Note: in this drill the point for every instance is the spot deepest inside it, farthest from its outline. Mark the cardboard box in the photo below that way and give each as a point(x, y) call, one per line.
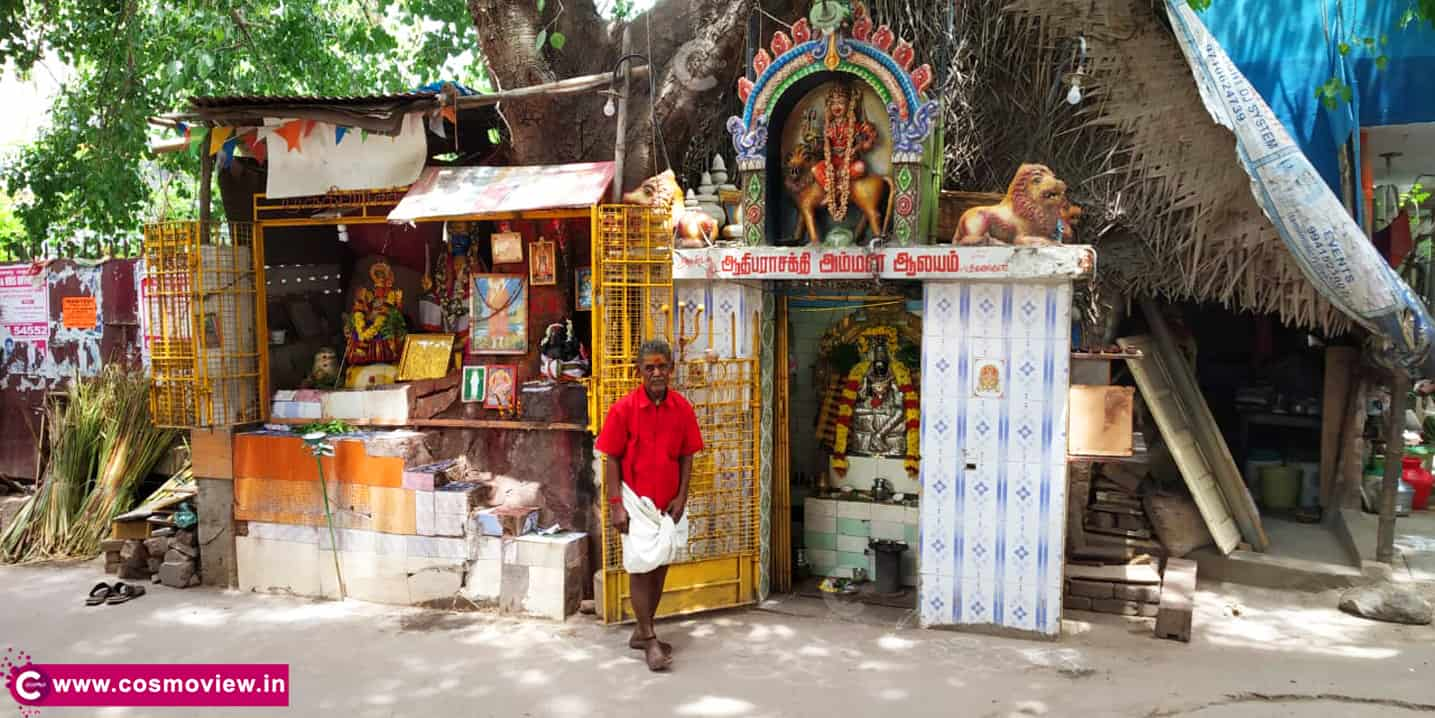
point(1099, 420)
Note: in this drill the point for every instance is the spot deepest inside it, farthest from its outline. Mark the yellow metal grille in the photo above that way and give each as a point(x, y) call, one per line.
point(633, 293)
point(199, 303)
point(633, 301)
point(722, 498)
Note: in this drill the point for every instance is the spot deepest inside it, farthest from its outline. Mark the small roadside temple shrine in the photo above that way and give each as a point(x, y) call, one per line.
point(882, 389)
point(879, 401)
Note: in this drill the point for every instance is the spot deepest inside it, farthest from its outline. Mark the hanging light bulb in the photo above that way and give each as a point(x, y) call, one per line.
point(609, 108)
point(1073, 96)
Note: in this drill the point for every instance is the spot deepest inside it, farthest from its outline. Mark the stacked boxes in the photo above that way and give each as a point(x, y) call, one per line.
point(836, 534)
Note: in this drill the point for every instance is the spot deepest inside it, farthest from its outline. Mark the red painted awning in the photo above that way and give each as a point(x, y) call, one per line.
point(450, 192)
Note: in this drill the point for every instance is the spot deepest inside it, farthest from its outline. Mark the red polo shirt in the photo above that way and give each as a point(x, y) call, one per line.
point(647, 439)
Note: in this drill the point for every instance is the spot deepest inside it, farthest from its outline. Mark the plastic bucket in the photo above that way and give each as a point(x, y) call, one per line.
point(1280, 487)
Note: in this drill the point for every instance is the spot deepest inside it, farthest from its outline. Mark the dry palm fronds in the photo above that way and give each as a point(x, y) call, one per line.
point(131, 445)
point(101, 444)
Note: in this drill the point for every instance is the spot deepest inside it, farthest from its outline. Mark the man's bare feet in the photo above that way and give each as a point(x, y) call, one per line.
point(638, 643)
point(656, 658)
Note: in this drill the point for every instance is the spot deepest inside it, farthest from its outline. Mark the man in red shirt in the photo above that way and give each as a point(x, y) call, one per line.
point(648, 441)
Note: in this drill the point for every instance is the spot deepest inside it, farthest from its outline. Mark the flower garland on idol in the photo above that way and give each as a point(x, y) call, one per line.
point(911, 407)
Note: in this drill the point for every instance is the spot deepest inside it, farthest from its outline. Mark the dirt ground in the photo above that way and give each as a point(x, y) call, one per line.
point(1255, 653)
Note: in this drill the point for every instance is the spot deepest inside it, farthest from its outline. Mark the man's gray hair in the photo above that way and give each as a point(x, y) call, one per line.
point(655, 346)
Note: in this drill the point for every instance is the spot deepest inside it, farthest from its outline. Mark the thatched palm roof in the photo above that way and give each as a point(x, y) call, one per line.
point(1168, 205)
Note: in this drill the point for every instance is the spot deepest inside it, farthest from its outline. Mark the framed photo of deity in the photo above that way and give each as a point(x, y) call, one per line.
point(507, 248)
point(542, 265)
point(498, 314)
point(501, 385)
point(583, 289)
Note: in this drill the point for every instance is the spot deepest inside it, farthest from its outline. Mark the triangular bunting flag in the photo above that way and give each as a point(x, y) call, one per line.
point(257, 146)
point(183, 129)
point(363, 135)
point(450, 113)
point(226, 155)
point(436, 126)
point(309, 127)
point(217, 136)
point(291, 132)
point(339, 132)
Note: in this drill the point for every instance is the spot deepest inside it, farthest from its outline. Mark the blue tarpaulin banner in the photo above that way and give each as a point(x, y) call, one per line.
point(1332, 251)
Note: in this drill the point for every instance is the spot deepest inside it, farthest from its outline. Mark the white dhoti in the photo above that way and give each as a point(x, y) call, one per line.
point(653, 538)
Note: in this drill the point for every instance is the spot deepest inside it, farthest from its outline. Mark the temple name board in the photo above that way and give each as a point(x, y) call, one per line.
point(923, 263)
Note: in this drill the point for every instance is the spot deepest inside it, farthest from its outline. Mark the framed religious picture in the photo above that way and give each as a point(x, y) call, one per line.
point(498, 314)
point(583, 288)
point(542, 266)
point(507, 248)
point(500, 386)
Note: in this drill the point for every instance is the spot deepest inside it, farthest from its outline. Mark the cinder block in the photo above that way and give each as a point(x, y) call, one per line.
point(1150, 610)
point(484, 548)
point(448, 524)
point(1141, 594)
point(1078, 603)
point(432, 579)
point(434, 547)
point(890, 530)
point(423, 513)
point(459, 497)
point(854, 527)
point(854, 510)
point(814, 540)
point(1090, 589)
point(851, 544)
point(374, 577)
point(277, 566)
point(513, 588)
point(484, 581)
point(284, 532)
point(1120, 608)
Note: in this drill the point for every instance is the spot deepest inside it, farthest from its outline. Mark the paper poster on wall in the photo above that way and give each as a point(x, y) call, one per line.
point(79, 313)
point(24, 317)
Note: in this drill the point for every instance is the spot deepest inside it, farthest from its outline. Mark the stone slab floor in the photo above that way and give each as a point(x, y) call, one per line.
point(1255, 653)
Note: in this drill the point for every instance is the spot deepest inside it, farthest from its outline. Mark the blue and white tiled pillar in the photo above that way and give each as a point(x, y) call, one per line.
point(995, 373)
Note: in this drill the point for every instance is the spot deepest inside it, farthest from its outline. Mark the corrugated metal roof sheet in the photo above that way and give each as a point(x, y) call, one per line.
point(227, 101)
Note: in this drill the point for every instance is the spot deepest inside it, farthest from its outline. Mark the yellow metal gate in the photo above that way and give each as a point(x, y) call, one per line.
point(201, 283)
point(634, 300)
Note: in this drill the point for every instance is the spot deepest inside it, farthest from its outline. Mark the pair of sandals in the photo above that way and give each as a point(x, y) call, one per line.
point(121, 592)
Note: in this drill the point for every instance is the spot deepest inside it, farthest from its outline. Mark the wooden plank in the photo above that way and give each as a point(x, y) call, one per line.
point(1342, 367)
point(1206, 432)
point(1124, 533)
point(1178, 593)
point(1136, 573)
point(1079, 488)
point(1099, 420)
point(211, 453)
point(1153, 378)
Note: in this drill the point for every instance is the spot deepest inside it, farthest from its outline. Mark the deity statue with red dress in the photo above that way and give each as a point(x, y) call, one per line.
point(846, 137)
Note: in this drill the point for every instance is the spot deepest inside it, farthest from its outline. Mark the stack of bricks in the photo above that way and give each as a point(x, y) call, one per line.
point(532, 575)
point(1124, 590)
point(836, 534)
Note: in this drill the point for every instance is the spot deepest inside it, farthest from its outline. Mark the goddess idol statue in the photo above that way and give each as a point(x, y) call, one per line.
point(878, 408)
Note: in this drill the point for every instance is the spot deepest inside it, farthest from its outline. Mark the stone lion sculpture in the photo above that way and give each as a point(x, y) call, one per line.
point(1035, 212)
point(693, 229)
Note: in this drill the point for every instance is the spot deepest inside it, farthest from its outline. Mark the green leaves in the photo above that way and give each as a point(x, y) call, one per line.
point(1334, 92)
point(542, 39)
point(1199, 5)
point(90, 174)
point(1416, 196)
point(557, 40)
